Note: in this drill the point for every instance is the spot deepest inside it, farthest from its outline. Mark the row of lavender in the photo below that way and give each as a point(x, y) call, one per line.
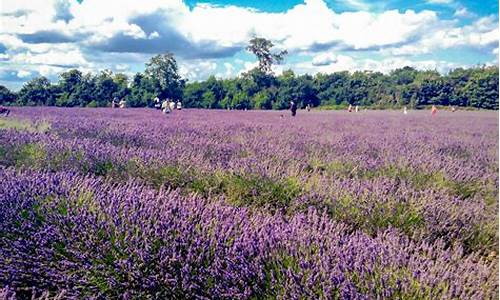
point(83, 237)
point(401, 183)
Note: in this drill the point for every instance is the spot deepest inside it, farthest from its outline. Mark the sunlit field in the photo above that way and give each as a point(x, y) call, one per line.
point(198, 204)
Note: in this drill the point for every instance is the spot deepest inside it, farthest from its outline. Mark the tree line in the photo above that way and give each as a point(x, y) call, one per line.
point(259, 88)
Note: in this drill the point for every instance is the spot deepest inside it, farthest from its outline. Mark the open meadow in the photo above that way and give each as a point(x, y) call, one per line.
point(215, 204)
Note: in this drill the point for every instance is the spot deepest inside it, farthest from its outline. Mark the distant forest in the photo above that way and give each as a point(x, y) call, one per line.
point(261, 89)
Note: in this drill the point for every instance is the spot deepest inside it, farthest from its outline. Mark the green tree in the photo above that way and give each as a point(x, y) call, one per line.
point(262, 49)
point(106, 88)
point(6, 96)
point(35, 92)
point(209, 100)
point(121, 81)
point(163, 70)
point(482, 88)
point(142, 91)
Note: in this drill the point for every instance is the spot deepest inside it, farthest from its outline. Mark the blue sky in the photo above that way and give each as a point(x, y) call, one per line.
point(45, 38)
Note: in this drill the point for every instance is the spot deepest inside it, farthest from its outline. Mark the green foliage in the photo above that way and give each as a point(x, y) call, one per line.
point(35, 92)
point(30, 156)
point(6, 96)
point(261, 48)
point(24, 125)
point(162, 69)
point(260, 89)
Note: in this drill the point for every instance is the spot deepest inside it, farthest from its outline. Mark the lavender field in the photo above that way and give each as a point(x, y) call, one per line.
point(133, 204)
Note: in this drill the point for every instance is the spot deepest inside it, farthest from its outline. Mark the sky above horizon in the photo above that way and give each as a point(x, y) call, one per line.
point(45, 38)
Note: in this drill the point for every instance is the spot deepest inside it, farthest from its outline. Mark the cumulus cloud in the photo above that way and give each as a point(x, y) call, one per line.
point(197, 69)
point(348, 63)
point(45, 36)
point(482, 34)
point(324, 59)
point(23, 73)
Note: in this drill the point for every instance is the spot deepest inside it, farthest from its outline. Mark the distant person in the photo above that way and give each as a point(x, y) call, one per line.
point(357, 108)
point(157, 103)
point(171, 105)
point(165, 108)
point(123, 103)
point(114, 102)
point(350, 108)
point(178, 106)
point(308, 107)
point(453, 109)
point(434, 110)
point(293, 108)
point(4, 111)
point(405, 111)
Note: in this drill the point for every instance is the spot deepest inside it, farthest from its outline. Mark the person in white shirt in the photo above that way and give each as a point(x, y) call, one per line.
point(123, 103)
point(172, 105)
point(405, 111)
point(179, 105)
point(165, 107)
point(157, 103)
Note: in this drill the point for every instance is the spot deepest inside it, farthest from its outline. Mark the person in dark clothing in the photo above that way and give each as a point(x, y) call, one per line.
point(293, 108)
point(4, 111)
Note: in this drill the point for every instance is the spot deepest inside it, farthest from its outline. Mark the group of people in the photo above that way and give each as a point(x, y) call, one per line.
point(350, 109)
point(167, 106)
point(121, 104)
point(293, 109)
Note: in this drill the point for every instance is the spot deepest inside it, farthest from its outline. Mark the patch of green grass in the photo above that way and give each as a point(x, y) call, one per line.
point(252, 190)
point(417, 178)
point(482, 238)
point(30, 155)
point(24, 125)
point(401, 215)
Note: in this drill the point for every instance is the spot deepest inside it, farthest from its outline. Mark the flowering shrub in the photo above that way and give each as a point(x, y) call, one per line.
point(247, 205)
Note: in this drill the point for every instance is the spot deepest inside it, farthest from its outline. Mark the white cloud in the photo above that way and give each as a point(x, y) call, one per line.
point(73, 58)
point(197, 69)
point(483, 33)
point(23, 74)
point(347, 63)
point(97, 34)
point(324, 59)
point(463, 12)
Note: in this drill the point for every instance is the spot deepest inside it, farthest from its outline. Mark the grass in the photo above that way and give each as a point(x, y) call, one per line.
point(24, 125)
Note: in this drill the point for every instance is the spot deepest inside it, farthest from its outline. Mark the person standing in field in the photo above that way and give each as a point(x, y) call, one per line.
point(123, 103)
point(179, 105)
point(172, 105)
point(165, 107)
point(157, 103)
point(434, 110)
point(350, 108)
point(114, 102)
point(308, 107)
point(453, 109)
point(357, 108)
point(405, 111)
point(4, 111)
point(293, 108)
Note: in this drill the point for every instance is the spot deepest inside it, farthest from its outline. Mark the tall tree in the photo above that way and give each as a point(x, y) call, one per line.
point(35, 92)
point(164, 71)
point(6, 96)
point(262, 49)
